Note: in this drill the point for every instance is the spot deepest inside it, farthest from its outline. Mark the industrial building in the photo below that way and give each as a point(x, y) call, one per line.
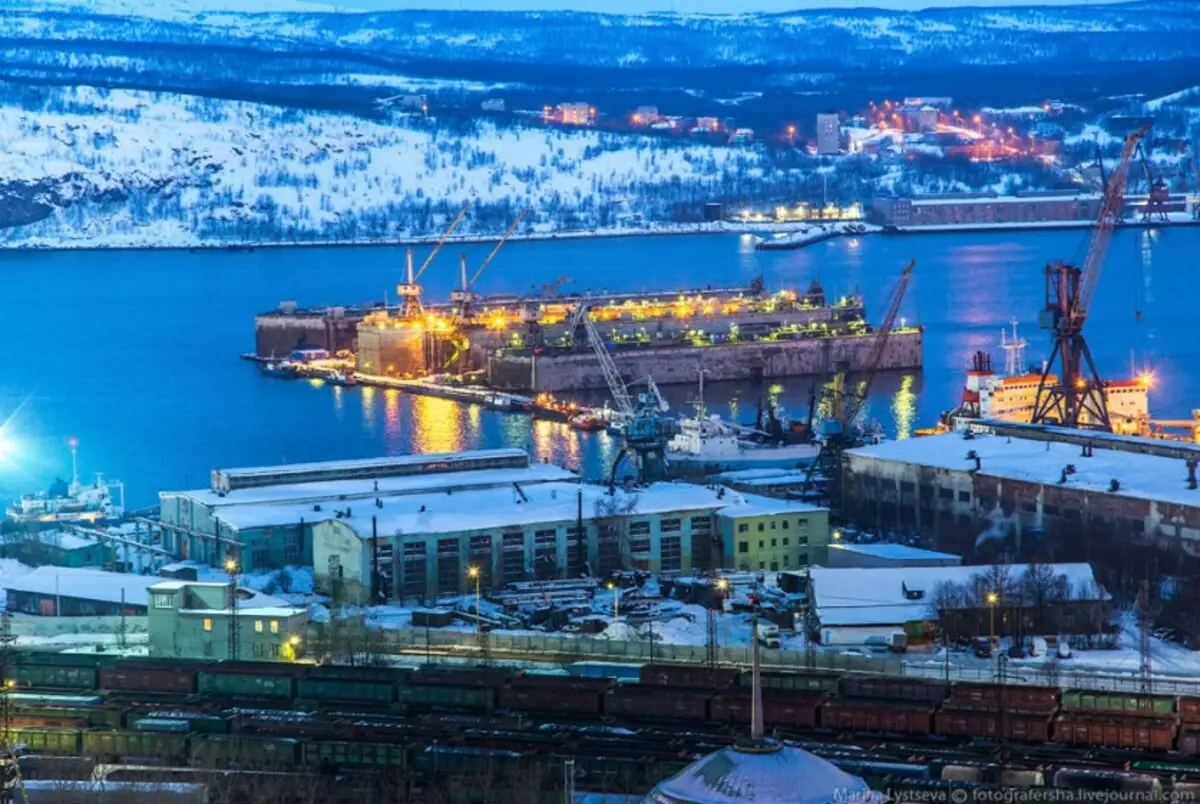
point(262, 518)
point(843, 555)
point(854, 604)
point(189, 620)
point(1072, 490)
point(419, 547)
point(62, 548)
point(74, 592)
point(960, 209)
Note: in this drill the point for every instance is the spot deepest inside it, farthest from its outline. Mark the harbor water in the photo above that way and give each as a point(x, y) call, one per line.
point(135, 353)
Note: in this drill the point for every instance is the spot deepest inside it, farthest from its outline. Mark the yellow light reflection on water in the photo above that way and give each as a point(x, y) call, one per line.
point(391, 412)
point(339, 402)
point(437, 425)
point(544, 435)
point(904, 407)
point(368, 404)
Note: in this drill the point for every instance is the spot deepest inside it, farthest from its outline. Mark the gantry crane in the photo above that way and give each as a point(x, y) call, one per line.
point(646, 430)
point(408, 290)
point(840, 431)
point(1157, 191)
point(464, 299)
point(1077, 398)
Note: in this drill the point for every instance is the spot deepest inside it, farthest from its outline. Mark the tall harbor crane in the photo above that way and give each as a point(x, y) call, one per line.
point(840, 431)
point(464, 299)
point(408, 290)
point(1076, 398)
point(1157, 191)
point(646, 430)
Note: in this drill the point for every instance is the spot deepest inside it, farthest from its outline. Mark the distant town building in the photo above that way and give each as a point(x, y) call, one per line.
point(493, 105)
point(645, 116)
point(712, 124)
point(919, 118)
point(937, 101)
point(411, 103)
point(188, 620)
point(62, 548)
point(957, 209)
point(741, 136)
point(767, 534)
point(572, 114)
point(829, 134)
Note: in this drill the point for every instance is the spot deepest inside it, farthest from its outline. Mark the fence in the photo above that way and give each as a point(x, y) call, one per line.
point(438, 645)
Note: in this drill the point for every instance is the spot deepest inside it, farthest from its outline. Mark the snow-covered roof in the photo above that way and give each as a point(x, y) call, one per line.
point(1144, 477)
point(760, 777)
point(83, 584)
point(931, 201)
point(382, 464)
point(754, 505)
point(893, 552)
point(247, 598)
point(763, 477)
point(876, 596)
point(488, 508)
point(370, 487)
point(63, 539)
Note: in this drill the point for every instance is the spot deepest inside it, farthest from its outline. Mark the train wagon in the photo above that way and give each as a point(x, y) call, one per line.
point(1015, 725)
point(696, 676)
point(338, 690)
point(1010, 697)
point(1189, 709)
point(54, 676)
point(1108, 731)
point(251, 680)
point(344, 755)
point(66, 742)
point(876, 716)
point(800, 681)
point(895, 689)
point(143, 676)
point(555, 694)
point(780, 707)
point(427, 697)
point(651, 701)
point(243, 751)
point(1117, 703)
point(114, 745)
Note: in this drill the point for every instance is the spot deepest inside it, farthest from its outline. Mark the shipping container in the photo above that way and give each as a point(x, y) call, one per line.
point(105, 744)
point(252, 680)
point(1135, 704)
point(441, 698)
point(49, 741)
point(54, 676)
point(1142, 734)
point(374, 755)
point(224, 750)
point(696, 676)
point(150, 677)
point(895, 689)
point(566, 695)
point(1010, 697)
point(877, 716)
point(345, 691)
point(653, 701)
point(195, 722)
point(800, 681)
point(1019, 726)
point(780, 707)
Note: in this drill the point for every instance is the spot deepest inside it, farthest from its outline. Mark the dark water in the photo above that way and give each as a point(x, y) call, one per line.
point(135, 353)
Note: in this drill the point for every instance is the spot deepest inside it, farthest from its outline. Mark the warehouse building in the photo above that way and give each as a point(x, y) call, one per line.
point(75, 592)
point(189, 620)
point(852, 605)
point(420, 547)
point(867, 556)
point(968, 490)
point(959, 209)
point(262, 518)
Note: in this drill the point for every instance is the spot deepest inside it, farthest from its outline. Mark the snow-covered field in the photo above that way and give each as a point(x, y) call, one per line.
point(143, 169)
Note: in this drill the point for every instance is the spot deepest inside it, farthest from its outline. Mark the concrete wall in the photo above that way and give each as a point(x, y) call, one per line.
point(563, 372)
point(277, 334)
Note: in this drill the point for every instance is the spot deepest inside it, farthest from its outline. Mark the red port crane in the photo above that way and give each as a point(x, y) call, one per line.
point(1076, 399)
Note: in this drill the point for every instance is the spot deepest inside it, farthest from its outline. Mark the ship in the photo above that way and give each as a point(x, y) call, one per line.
point(336, 377)
point(101, 502)
point(707, 445)
point(1011, 396)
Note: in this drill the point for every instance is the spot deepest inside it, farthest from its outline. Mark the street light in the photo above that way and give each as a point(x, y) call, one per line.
point(723, 588)
point(473, 572)
point(612, 587)
point(231, 567)
point(992, 599)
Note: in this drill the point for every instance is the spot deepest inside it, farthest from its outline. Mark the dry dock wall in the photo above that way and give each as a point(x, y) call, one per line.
point(277, 334)
point(581, 371)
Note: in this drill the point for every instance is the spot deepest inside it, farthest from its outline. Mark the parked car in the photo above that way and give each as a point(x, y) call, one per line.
point(982, 646)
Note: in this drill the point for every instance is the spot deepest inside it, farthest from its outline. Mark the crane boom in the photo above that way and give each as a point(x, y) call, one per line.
point(616, 385)
point(871, 367)
point(1111, 207)
point(442, 240)
point(499, 245)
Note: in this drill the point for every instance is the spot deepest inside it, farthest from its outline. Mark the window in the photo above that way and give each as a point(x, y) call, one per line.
point(639, 546)
point(774, 566)
point(785, 541)
point(774, 543)
point(639, 528)
point(163, 601)
point(258, 626)
point(761, 527)
point(672, 553)
point(762, 565)
point(785, 562)
point(545, 538)
point(761, 544)
point(258, 649)
point(274, 626)
point(946, 494)
point(743, 547)
point(208, 649)
point(784, 524)
point(703, 523)
point(772, 524)
point(670, 526)
point(964, 496)
point(743, 527)
point(208, 623)
point(801, 524)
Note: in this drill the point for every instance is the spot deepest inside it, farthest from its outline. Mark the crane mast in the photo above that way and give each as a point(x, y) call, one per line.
point(1077, 398)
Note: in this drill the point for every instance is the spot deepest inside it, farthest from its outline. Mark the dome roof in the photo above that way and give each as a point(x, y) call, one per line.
point(767, 773)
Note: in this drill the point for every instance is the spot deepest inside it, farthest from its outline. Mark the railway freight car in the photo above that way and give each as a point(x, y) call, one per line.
point(1023, 727)
point(877, 716)
point(251, 680)
point(695, 676)
point(114, 745)
point(1108, 731)
point(151, 676)
point(555, 694)
point(648, 701)
point(790, 709)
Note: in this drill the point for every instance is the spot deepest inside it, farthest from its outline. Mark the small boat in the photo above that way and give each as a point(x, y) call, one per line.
point(280, 368)
point(336, 377)
point(588, 422)
point(547, 407)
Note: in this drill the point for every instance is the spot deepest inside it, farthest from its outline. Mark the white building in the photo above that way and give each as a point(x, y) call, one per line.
point(863, 556)
point(829, 134)
point(852, 605)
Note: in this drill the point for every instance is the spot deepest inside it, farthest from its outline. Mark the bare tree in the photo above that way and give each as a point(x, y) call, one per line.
point(611, 515)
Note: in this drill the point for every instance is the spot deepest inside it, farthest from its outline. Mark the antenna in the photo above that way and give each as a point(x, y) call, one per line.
point(1014, 351)
point(73, 444)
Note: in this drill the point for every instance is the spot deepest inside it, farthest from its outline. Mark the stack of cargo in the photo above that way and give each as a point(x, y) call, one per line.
point(999, 711)
point(1117, 720)
point(894, 705)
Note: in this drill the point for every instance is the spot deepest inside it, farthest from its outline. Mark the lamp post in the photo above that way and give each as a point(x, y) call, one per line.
point(293, 646)
point(723, 588)
point(231, 567)
point(473, 572)
point(612, 587)
point(992, 599)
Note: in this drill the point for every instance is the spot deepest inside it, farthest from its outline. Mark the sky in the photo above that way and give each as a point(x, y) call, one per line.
point(682, 6)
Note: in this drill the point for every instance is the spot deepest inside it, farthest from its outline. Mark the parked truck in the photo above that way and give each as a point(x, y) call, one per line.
point(768, 635)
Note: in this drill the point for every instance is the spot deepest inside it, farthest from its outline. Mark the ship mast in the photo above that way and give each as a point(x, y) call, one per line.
point(73, 444)
point(1014, 351)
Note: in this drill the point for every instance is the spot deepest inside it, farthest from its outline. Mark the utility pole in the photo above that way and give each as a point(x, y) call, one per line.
point(569, 781)
point(231, 567)
point(1147, 671)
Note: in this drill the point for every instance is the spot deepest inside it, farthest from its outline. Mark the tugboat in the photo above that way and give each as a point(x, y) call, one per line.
point(589, 422)
point(99, 503)
point(280, 368)
point(336, 377)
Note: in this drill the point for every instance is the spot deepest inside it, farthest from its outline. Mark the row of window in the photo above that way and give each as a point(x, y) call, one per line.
point(775, 566)
point(783, 524)
point(744, 547)
point(259, 625)
point(259, 650)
